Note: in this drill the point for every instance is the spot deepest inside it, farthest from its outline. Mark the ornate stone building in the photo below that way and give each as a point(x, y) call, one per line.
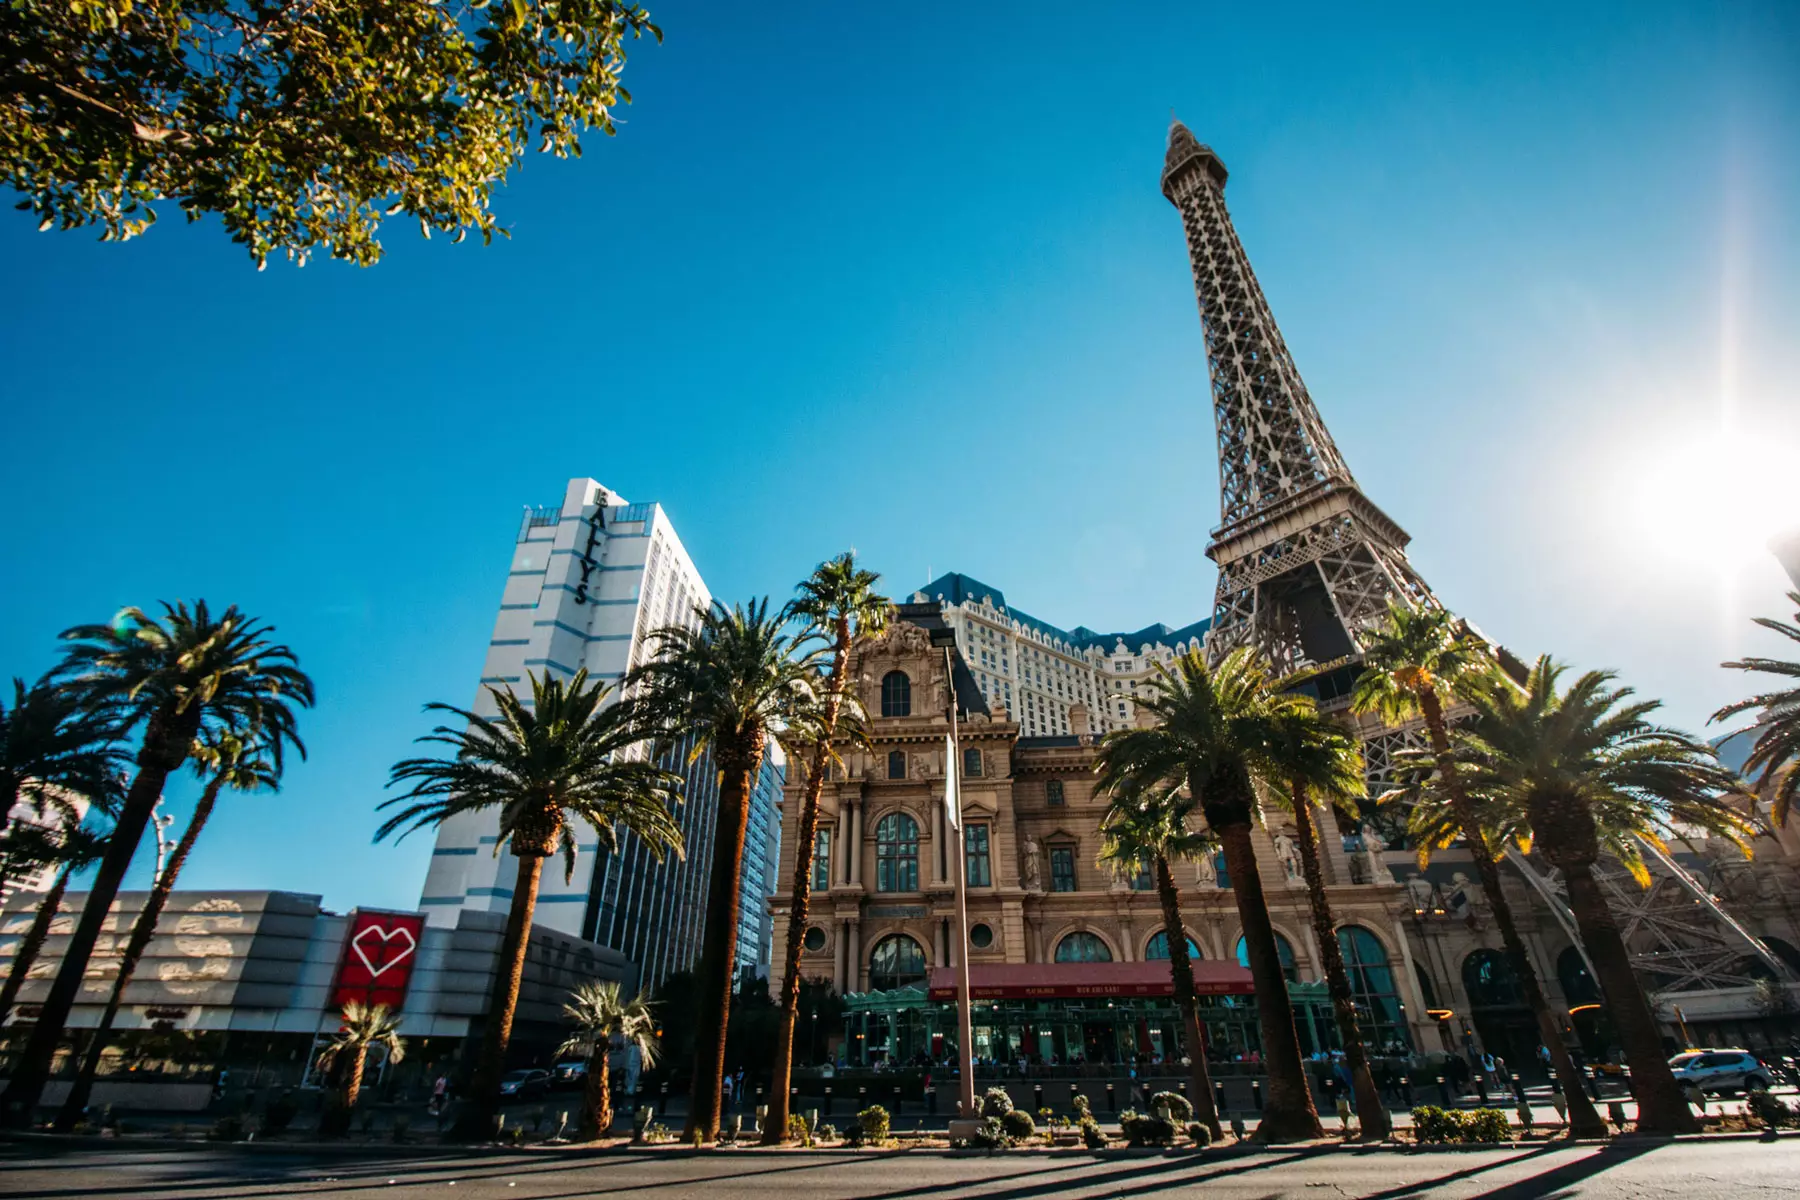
point(884, 902)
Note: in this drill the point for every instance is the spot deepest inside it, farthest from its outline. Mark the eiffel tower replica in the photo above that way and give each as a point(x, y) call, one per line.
point(1308, 564)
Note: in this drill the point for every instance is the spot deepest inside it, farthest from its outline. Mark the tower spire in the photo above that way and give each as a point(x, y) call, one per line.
point(1306, 562)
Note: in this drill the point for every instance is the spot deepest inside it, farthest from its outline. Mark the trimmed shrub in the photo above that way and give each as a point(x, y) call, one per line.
point(798, 1130)
point(1018, 1125)
point(827, 1133)
point(1486, 1125)
point(1140, 1130)
point(1201, 1135)
point(874, 1122)
point(1092, 1136)
point(996, 1103)
point(1434, 1124)
point(1179, 1108)
point(1083, 1111)
point(991, 1136)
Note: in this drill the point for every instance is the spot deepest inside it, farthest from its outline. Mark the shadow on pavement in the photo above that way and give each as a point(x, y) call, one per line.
point(1554, 1181)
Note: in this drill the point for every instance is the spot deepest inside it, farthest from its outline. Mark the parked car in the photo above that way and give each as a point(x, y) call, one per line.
point(528, 1084)
point(1720, 1070)
point(570, 1073)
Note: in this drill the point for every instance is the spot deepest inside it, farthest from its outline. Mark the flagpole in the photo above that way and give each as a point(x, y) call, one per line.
point(965, 1040)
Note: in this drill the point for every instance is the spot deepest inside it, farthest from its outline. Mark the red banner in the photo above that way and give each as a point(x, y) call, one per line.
point(380, 949)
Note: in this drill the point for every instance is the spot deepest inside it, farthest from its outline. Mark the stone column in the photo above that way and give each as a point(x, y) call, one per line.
point(856, 843)
point(939, 847)
point(843, 843)
point(853, 958)
point(837, 957)
point(940, 946)
point(1419, 1023)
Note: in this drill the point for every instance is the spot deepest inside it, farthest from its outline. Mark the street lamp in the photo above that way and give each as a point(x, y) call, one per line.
point(944, 638)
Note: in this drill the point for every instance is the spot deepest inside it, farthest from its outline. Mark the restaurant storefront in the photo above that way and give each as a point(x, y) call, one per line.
point(1071, 1015)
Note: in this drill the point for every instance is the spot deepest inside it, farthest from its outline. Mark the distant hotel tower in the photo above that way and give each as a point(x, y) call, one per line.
point(590, 581)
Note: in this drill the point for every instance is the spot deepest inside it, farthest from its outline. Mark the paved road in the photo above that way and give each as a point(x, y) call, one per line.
point(1726, 1170)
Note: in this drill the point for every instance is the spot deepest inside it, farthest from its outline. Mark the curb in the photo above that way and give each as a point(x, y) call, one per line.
point(576, 1151)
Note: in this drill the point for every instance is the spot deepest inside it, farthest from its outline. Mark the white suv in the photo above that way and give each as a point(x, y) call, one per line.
point(1720, 1070)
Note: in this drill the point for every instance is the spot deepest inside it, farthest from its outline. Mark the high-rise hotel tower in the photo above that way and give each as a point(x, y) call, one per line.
point(590, 581)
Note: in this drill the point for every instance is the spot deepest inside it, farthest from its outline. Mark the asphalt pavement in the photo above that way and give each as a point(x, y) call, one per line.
point(1710, 1169)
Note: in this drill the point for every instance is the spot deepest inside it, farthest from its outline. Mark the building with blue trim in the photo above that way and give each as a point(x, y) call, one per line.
point(590, 580)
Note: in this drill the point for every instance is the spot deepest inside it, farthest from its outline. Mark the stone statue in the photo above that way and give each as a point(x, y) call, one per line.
point(1206, 870)
point(1033, 868)
point(1289, 854)
point(1373, 844)
point(1465, 894)
point(1422, 892)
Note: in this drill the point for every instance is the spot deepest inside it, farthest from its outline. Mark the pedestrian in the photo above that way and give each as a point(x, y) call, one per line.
point(725, 1093)
point(440, 1094)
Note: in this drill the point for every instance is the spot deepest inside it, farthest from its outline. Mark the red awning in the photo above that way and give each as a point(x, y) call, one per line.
point(1071, 981)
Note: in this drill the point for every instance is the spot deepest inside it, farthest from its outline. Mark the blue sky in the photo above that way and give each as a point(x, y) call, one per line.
point(849, 276)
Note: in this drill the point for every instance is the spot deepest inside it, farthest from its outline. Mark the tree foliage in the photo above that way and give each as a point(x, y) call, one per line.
point(302, 125)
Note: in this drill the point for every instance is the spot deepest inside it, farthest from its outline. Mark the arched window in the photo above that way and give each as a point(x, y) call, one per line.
point(896, 764)
point(1490, 982)
point(895, 962)
point(1372, 984)
point(1290, 970)
point(1082, 947)
point(896, 695)
point(1578, 986)
point(1158, 947)
point(972, 763)
point(897, 853)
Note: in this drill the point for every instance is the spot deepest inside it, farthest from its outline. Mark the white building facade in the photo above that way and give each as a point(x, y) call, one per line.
point(1036, 673)
point(589, 583)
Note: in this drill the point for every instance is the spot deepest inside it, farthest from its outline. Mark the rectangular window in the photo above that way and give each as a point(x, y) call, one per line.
point(1142, 881)
point(1053, 792)
point(1062, 868)
point(821, 864)
point(975, 855)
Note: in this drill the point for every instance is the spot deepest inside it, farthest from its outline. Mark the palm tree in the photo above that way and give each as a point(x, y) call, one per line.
point(1409, 662)
point(1317, 760)
point(72, 849)
point(173, 678)
point(223, 760)
point(1210, 731)
point(54, 746)
point(1581, 772)
point(565, 755)
point(1152, 829)
point(838, 605)
point(726, 685)
point(1777, 750)
point(600, 1014)
point(365, 1027)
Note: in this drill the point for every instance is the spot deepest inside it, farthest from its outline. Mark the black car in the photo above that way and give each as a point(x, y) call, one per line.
point(527, 1084)
point(570, 1073)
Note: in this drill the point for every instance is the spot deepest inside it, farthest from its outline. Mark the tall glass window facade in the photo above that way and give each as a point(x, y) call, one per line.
point(897, 854)
point(976, 857)
point(1062, 868)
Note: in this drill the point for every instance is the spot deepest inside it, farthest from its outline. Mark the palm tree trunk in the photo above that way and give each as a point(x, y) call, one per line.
point(1371, 1112)
point(596, 1094)
point(475, 1122)
point(1288, 1113)
point(141, 933)
point(775, 1122)
point(353, 1085)
point(167, 742)
point(33, 941)
point(1182, 968)
point(1661, 1108)
point(738, 764)
point(1584, 1119)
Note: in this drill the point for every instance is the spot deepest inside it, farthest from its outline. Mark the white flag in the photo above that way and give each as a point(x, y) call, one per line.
point(952, 798)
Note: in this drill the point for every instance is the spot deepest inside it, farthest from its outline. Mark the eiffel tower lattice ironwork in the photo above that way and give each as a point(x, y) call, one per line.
point(1306, 562)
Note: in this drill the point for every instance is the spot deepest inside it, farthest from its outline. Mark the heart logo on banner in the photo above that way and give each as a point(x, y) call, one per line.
point(389, 954)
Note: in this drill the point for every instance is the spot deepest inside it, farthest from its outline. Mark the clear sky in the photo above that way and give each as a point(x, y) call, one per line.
point(900, 278)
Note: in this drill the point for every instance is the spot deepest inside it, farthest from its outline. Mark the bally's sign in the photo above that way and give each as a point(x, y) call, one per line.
point(596, 525)
point(379, 953)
